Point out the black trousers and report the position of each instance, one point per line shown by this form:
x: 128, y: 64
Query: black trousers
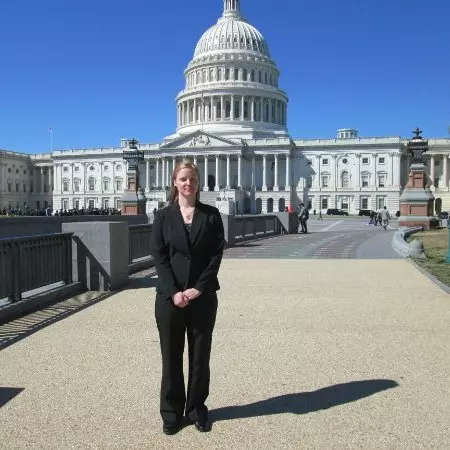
x: 197, y: 321
x: 304, y: 225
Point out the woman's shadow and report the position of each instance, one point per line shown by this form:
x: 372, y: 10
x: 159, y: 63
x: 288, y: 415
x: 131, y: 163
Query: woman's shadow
x: 305, y: 402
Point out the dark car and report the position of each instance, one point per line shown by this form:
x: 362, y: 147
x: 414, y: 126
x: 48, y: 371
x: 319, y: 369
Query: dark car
x: 443, y: 215
x: 365, y: 212
x: 336, y: 212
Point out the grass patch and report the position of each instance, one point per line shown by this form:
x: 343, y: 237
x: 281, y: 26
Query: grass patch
x: 435, y: 244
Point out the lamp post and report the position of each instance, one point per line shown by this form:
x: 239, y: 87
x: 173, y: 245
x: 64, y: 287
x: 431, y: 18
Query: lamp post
x: 133, y: 200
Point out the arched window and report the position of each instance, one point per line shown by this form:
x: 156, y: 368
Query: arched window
x: 237, y: 112
x: 244, y: 75
x: 265, y: 77
x: 118, y: 184
x: 236, y: 74
x: 91, y: 184
x: 344, y: 179
x: 227, y: 74
x: 211, y: 75
x: 106, y: 184
x: 65, y: 183
x: 252, y: 76
x: 76, y: 184
x: 227, y: 110
x: 365, y: 179
x: 260, y: 77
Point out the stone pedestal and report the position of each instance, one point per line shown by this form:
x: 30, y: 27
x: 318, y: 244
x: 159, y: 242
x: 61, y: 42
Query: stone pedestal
x: 416, y: 201
x: 226, y: 207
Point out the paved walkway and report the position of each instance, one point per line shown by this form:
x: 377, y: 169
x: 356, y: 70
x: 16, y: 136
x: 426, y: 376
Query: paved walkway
x: 307, y: 354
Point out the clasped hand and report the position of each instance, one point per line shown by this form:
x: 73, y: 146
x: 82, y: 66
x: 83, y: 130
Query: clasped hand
x: 182, y: 299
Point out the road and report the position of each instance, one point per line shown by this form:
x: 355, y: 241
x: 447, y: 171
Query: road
x: 332, y: 238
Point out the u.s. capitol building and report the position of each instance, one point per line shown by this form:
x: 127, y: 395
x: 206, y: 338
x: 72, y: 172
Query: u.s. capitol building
x: 232, y: 119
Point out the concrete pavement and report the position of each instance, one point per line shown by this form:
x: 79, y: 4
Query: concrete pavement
x: 306, y: 354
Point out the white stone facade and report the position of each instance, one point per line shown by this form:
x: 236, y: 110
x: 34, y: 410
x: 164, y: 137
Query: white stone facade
x: 232, y: 121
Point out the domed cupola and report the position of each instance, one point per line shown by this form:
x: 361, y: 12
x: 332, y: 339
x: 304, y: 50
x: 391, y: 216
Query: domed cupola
x: 232, y: 82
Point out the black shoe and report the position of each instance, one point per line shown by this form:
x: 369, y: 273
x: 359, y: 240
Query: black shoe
x: 202, y: 423
x: 170, y: 429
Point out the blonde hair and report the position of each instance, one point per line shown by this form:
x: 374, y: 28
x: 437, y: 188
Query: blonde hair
x: 185, y: 164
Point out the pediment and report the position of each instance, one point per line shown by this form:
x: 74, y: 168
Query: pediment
x: 199, y: 139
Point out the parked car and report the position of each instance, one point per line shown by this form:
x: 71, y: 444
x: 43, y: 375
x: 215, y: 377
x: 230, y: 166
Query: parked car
x: 365, y: 212
x: 443, y: 215
x: 336, y: 212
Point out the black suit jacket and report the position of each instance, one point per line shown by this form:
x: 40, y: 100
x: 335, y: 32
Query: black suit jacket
x: 183, y: 262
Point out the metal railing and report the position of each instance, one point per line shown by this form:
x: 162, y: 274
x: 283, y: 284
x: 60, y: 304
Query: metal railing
x: 139, y: 242
x: 248, y: 227
x: 30, y: 263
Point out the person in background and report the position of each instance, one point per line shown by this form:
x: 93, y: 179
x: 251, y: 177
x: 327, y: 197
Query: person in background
x: 385, y: 217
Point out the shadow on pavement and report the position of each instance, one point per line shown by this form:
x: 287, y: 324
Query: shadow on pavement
x: 305, y: 402
x: 7, y: 394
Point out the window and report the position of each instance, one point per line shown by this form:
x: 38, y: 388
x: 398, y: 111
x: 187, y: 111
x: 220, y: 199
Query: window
x: 308, y: 182
x: 31, y: 187
x: 77, y: 168
x: 91, y: 204
x: 91, y: 184
x: 76, y: 204
x: 325, y: 180
x: 381, y: 202
x: 65, y: 204
x: 65, y: 169
x: 9, y: 186
x: 364, y: 203
x: 119, y: 184
x: 236, y: 74
x: 17, y: 170
x: 17, y: 187
x: 244, y: 75
x: 344, y: 179
x: 119, y: 167
x: 365, y: 179
x: 106, y: 182
x: 117, y: 203
x: 24, y: 188
x: 324, y: 203
x: 76, y: 185
x: 24, y: 172
x: 65, y: 185
x: 325, y: 161
x: 106, y: 203
x: 344, y: 161
x: 9, y: 169
x: 381, y: 180
x: 106, y: 168
x: 365, y: 160
x: 227, y: 74
x: 382, y: 160
x: 92, y: 168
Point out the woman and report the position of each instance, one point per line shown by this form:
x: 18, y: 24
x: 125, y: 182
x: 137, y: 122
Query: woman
x: 187, y: 246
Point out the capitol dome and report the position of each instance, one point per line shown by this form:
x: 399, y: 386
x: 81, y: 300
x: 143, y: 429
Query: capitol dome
x: 232, y: 83
x: 232, y: 32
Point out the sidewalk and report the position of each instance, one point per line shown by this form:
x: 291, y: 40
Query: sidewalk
x: 306, y: 354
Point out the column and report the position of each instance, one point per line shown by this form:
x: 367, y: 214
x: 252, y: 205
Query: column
x: 239, y: 170
x: 205, y: 183
x: 42, y: 179
x: 264, y: 186
x: 445, y: 170
x: 228, y: 171
x: 55, y: 178
x: 195, y: 160
x: 157, y: 172
x: 101, y: 177
x: 214, y: 109
x: 276, y: 187
x: 288, y: 172
x: 358, y: 182
x: 163, y: 172
x: 242, y: 107
x: 147, y: 175
x: 71, y: 179
x: 252, y: 116
x: 174, y: 162
x: 261, y: 110
x: 253, y: 172
x: 222, y: 108
x: 194, y: 118
x: 392, y: 169
x: 168, y: 178
x: 217, y: 186
x: 432, y: 173
x: 232, y: 108
x: 113, y: 169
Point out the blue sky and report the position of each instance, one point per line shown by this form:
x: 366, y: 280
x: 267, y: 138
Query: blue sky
x: 96, y: 71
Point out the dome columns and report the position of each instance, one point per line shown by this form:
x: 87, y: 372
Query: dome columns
x: 231, y: 108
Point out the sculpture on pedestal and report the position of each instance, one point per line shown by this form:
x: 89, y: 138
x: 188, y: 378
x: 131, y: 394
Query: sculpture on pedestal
x: 133, y: 200
x: 416, y: 201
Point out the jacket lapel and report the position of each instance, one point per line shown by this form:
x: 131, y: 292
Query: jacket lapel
x: 197, y: 223
x: 178, y: 228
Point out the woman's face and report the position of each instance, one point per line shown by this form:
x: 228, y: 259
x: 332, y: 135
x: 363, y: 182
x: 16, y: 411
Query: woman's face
x: 187, y: 182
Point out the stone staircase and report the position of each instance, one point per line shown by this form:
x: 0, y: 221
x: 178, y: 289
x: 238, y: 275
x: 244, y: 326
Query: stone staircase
x: 209, y: 197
